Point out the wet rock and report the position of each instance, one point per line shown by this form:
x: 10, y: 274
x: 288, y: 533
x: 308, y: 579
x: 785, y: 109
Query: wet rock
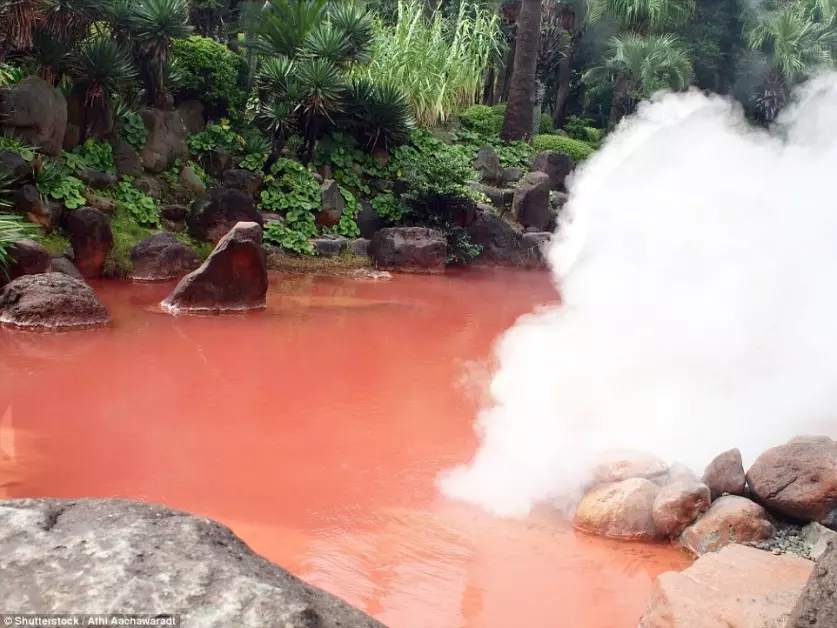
x: 61, y: 264
x: 191, y: 181
x: 238, y: 179
x: 500, y: 242
x: 533, y: 246
x: 27, y: 258
x: 174, y: 212
x: 218, y: 210
x: 368, y: 220
x: 91, y: 238
x: 360, y: 247
x: 511, y: 174
x: 556, y: 165
x: 725, y: 474
x: 737, y: 587
x: 730, y: 519
x: 104, y: 204
x: 49, y: 300
x: 621, y: 510
x: 487, y: 165
x: 531, y: 201
x: 97, y: 179
x: 678, y: 505
x: 798, y: 479
x: 119, y: 556
x: 126, y: 159
x: 409, y: 249
x: 817, y: 606
x: 330, y: 245
x: 36, y: 112
x: 160, y: 257
x: 817, y: 537
x: 332, y: 204
x: 32, y: 204
x: 622, y: 464
x: 15, y: 165
x: 151, y: 186
x: 166, y: 141
x: 191, y: 115
x: 219, y: 162
x: 233, y: 277
x: 371, y: 275
x: 496, y: 196
x: 558, y: 199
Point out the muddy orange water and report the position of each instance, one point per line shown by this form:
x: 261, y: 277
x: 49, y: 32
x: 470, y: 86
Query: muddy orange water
x: 315, y: 429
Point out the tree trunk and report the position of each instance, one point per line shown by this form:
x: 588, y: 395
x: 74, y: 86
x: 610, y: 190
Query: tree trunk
x: 620, y: 97
x: 565, y: 67
x: 488, y: 87
x: 518, y: 121
x: 502, y: 92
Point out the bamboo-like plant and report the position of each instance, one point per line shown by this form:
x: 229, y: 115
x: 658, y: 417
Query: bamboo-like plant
x: 438, y: 63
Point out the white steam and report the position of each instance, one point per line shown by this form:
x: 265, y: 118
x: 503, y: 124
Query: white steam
x: 699, y: 285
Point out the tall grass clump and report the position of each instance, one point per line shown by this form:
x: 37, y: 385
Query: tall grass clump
x: 438, y: 63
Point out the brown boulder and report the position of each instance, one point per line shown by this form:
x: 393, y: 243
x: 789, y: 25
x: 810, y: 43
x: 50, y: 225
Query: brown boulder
x: 160, y: 257
x: 126, y: 159
x: 557, y: 166
x: 218, y: 210
x: 730, y: 519
x: 798, y: 479
x: 817, y: 606
x: 244, y: 180
x: 191, y: 115
x: 91, y: 238
x: 622, y: 464
x: 621, y: 510
x: 738, y: 587
x: 166, y: 141
x: 530, y: 204
x: 725, y: 474
x: 29, y: 202
x: 409, y: 249
x: 234, y: 276
x: 27, y: 258
x: 36, y: 112
x: 332, y: 204
x: 51, y: 300
x: 63, y: 265
x: 678, y: 505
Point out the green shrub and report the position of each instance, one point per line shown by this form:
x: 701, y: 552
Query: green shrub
x: 216, y: 136
x: 483, y: 119
x: 130, y: 126
x: 126, y: 235
x: 545, y: 124
x: 136, y: 204
x: 291, y: 189
x: 14, y: 145
x: 581, y: 129
x: 390, y: 208
x: 52, y: 180
x: 210, y: 72
x: 277, y: 234
x: 92, y: 154
x: 347, y: 226
x: 576, y: 149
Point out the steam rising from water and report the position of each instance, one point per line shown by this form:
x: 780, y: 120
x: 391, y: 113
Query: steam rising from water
x: 699, y: 280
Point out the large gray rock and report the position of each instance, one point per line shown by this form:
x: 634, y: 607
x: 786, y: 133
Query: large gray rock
x: 126, y: 160
x: 679, y: 504
x: 500, y: 242
x: 555, y: 165
x: 166, y: 141
x: 332, y: 204
x: 730, y: 519
x: 233, y: 277
x: 330, y: 245
x: 798, y: 479
x: 16, y: 166
x: 488, y: 166
x: 35, y: 206
x: 27, y: 258
x: 244, y: 180
x: 91, y: 238
x: 47, y: 301
x: 160, y: 257
x: 530, y: 204
x: 36, y: 112
x: 61, y: 264
x: 97, y: 179
x: 725, y: 474
x: 817, y: 606
x: 116, y: 556
x: 191, y: 114
x: 218, y: 210
x: 409, y: 249
x: 368, y: 220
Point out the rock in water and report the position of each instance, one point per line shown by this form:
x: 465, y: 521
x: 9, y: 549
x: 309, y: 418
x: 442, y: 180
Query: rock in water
x: 51, y: 300
x: 817, y: 606
x: 234, y: 276
x: 731, y: 519
x: 678, y: 505
x: 216, y: 211
x: 119, y: 556
x: 622, y: 464
x: 738, y: 587
x: 36, y: 112
x: 91, y: 238
x: 160, y: 257
x: 530, y: 203
x: 500, y: 242
x: 725, y: 474
x: 798, y: 479
x: 409, y: 249
x: 622, y: 510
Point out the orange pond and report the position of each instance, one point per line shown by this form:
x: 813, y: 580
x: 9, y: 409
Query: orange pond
x: 315, y: 429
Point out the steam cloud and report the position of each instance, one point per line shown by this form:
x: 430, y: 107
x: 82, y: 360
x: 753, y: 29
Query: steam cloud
x: 698, y: 271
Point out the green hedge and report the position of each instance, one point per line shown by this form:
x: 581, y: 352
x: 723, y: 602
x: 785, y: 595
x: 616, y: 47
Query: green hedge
x: 576, y: 149
x: 210, y: 70
x: 489, y: 120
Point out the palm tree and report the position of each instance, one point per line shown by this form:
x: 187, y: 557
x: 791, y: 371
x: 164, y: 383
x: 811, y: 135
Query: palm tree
x: 520, y: 111
x: 645, y: 65
x: 155, y: 24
